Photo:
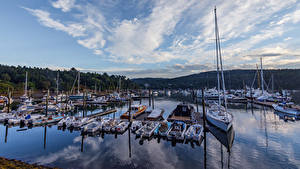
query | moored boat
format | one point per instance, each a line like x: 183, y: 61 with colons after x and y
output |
x: 194, y: 132
x: 156, y: 115
x: 219, y: 117
x: 177, y: 131
x: 135, y: 111
x: 163, y: 129
x: 135, y: 125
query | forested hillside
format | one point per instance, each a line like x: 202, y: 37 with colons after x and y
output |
x: 234, y: 79
x: 43, y: 78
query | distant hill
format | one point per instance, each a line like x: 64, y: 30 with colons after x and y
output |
x: 234, y: 79
x: 13, y: 77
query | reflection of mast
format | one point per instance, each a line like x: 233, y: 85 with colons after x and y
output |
x: 228, y: 159
x: 204, y: 148
x: 129, y: 142
x: 266, y: 131
x: 45, y: 136
x: 221, y: 156
x: 82, y: 138
x: 6, y: 133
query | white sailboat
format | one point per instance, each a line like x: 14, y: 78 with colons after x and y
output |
x: 217, y: 114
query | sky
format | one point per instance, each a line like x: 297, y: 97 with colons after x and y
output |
x: 149, y: 38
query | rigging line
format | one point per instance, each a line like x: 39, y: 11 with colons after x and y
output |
x: 217, y: 55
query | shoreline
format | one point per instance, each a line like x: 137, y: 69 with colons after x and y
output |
x: 12, y: 163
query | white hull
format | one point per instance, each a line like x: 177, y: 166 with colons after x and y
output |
x: 218, y: 123
x: 286, y: 110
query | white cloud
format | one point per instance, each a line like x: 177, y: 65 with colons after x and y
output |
x: 73, y: 29
x: 177, y: 30
x: 65, y: 5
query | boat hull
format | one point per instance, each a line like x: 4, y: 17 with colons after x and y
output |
x: 220, y: 124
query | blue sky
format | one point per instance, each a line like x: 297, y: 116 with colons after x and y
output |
x: 149, y: 38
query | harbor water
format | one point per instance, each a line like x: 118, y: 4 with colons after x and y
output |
x: 260, y: 139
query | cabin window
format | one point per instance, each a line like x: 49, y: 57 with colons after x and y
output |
x: 184, y: 109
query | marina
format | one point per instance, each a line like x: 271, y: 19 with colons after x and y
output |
x: 69, y: 149
x: 150, y: 84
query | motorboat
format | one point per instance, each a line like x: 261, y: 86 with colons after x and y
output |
x: 135, y: 125
x: 92, y: 127
x: 194, y: 132
x: 147, y: 129
x: 177, y: 131
x: 163, y: 129
x: 121, y: 128
x: 286, y: 108
x: 135, y: 111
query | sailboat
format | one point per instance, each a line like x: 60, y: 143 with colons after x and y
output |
x: 78, y: 96
x: 216, y: 113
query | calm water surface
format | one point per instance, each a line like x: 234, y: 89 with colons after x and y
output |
x: 261, y: 140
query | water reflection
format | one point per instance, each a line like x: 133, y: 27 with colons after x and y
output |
x: 255, y: 131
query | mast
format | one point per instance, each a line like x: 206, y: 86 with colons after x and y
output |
x: 57, y: 77
x: 221, y: 64
x: 78, y: 82
x: 25, y: 90
x: 217, y: 55
x: 262, y: 75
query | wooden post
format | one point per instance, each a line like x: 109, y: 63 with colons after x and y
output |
x: 84, y: 93
x: 204, y: 126
x: 152, y: 101
x: 203, y: 109
x: 140, y: 96
x: 149, y: 97
x: 47, y: 102
x: 8, y: 100
x: 129, y: 110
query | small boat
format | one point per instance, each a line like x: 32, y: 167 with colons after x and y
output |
x: 135, y: 125
x: 51, y: 108
x: 32, y: 118
x: 147, y: 130
x: 5, y: 116
x: 121, y: 128
x: 108, y: 125
x: 135, y: 111
x: 219, y: 117
x: 177, y: 131
x: 156, y: 115
x: 63, y: 122
x: 92, y: 127
x: 287, y: 109
x: 183, y: 112
x: 81, y: 122
x: 114, y: 125
x: 194, y: 132
x: 163, y: 129
x: 47, y: 120
x: 70, y: 121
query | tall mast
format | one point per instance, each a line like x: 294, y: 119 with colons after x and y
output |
x: 262, y: 75
x: 220, y: 57
x: 57, y: 77
x: 25, y: 90
x: 217, y: 55
x: 78, y: 85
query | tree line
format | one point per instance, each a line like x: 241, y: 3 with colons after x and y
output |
x: 234, y: 79
x: 13, y: 77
